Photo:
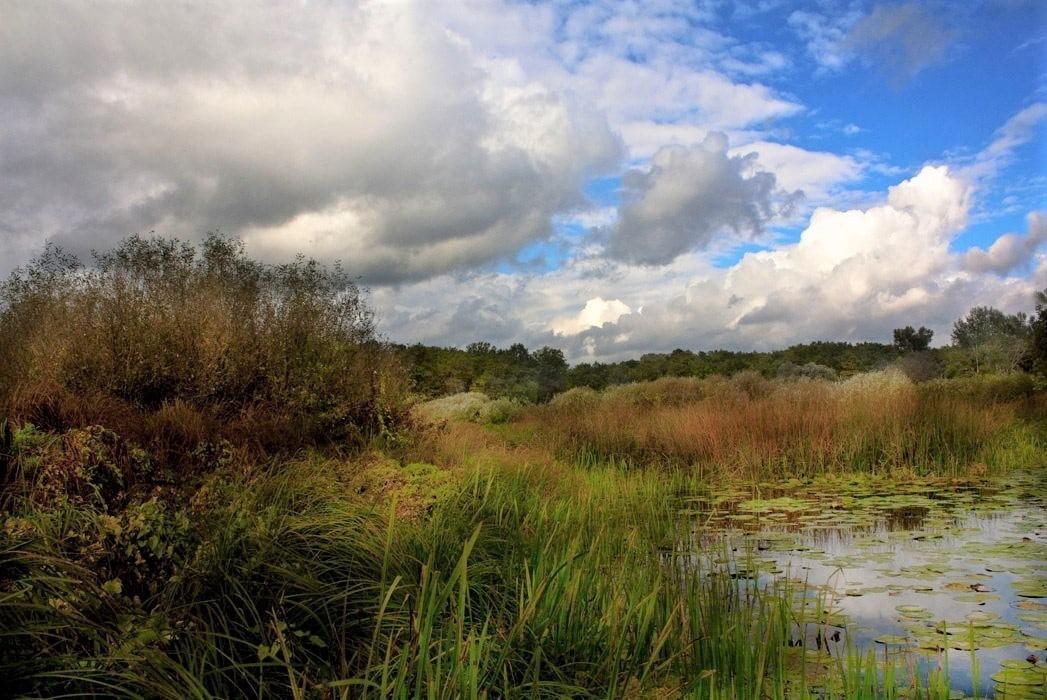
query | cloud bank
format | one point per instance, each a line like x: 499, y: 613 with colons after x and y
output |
x: 365, y: 132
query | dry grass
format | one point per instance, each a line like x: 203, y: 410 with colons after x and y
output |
x: 755, y: 428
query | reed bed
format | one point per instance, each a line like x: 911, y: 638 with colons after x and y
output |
x: 753, y: 428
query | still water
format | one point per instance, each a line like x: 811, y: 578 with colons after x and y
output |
x: 947, y: 575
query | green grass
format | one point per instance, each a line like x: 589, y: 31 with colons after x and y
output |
x: 511, y: 587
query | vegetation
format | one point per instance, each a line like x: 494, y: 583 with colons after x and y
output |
x: 986, y: 341
x: 174, y: 347
x: 214, y: 484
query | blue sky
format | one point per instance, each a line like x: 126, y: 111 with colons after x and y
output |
x: 608, y: 177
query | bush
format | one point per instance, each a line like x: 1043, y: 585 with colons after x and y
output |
x: 811, y: 370
x: 579, y: 398
x: 471, y: 406
x: 667, y: 391
x: 170, y: 343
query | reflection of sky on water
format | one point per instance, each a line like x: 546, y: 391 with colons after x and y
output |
x: 873, y: 556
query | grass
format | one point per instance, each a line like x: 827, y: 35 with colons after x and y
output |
x: 523, y: 576
x: 751, y: 428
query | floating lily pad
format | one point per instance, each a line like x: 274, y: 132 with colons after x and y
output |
x: 1026, y: 675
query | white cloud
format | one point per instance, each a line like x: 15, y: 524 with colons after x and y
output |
x: 824, y: 37
x: 643, y: 65
x: 1015, y: 132
x: 1009, y: 251
x: 818, y: 174
x: 596, y: 312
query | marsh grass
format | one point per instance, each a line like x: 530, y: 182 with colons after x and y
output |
x: 524, y: 583
x: 748, y: 427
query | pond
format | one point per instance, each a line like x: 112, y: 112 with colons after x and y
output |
x: 946, y: 576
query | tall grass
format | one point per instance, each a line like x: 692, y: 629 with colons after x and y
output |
x: 294, y: 590
x: 755, y: 428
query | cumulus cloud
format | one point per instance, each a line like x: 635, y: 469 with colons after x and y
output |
x: 596, y: 312
x: 686, y: 197
x: 365, y: 132
x: 1010, y: 251
x: 853, y: 274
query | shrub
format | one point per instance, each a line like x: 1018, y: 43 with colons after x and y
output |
x: 171, y: 343
x: 463, y: 406
x: 579, y: 398
x: 810, y: 370
x: 666, y: 391
x: 85, y: 465
x: 471, y: 406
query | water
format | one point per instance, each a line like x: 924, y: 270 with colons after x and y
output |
x: 935, y: 574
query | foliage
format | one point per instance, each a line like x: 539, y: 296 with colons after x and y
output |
x: 513, y: 373
x: 1038, y: 337
x: 909, y: 339
x: 811, y: 370
x: 920, y: 366
x: 174, y: 346
x: 473, y: 406
x: 983, y: 324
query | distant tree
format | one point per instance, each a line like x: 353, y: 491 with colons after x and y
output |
x: 552, y: 371
x: 920, y: 366
x: 480, y: 348
x: 909, y: 339
x: 984, y: 323
x: 810, y: 370
x: 1038, y: 337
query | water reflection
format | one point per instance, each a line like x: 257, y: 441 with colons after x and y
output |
x: 951, y: 575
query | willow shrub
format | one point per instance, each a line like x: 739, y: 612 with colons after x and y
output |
x: 174, y: 344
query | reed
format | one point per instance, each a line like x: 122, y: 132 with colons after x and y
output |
x: 761, y: 429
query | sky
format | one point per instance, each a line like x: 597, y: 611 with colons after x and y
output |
x: 608, y: 178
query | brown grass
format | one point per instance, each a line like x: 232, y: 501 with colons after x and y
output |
x: 760, y: 428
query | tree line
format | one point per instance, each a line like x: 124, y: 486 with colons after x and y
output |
x: 985, y: 340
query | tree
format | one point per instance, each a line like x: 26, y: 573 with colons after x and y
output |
x: 987, y: 339
x: 909, y: 339
x: 1038, y: 337
x: 984, y: 323
x: 552, y: 371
